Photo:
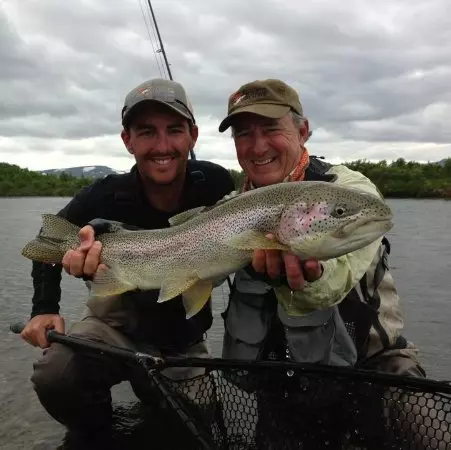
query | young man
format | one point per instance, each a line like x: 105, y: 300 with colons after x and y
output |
x: 344, y: 311
x: 159, y: 130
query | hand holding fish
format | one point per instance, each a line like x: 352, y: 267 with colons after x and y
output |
x: 85, y: 261
x: 297, y: 271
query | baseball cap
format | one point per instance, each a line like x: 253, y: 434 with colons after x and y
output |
x: 270, y: 98
x: 159, y: 90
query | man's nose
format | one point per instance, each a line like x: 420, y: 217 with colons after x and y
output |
x: 162, y: 143
x: 260, y: 143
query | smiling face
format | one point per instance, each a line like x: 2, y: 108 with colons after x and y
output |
x: 268, y: 149
x: 160, y: 140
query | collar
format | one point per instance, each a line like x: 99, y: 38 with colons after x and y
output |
x: 137, y: 185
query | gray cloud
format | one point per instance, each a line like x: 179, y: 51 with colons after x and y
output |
x: 372, y: 72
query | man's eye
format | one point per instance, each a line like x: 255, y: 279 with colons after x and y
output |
x: 146, y: 133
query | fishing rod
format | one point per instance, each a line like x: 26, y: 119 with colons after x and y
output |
x: 159, y: 39
x: 162, y: 50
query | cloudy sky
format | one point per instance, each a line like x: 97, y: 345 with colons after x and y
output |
x: 374, y: 76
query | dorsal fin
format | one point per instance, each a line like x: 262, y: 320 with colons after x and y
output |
x: 184, y: 216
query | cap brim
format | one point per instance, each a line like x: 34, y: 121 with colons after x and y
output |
x: 175, y: 107
x: 262, y: 109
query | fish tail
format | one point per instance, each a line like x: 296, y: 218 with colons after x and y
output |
x: 56, y: 236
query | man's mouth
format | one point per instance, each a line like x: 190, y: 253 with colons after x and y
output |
x: 264, y: 162
x: 162, y: 160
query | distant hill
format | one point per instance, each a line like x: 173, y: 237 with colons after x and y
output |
x: 442, y: 162
x: 83, y: 171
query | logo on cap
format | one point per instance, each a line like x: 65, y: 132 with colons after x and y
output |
x: 162, y: 94
x: 236, y: 98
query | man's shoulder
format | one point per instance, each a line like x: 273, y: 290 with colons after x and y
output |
x: 212, y: 181
x: 211, y: 173
x: 102, y: 188
x: 354, y: 178
x: 207, y: 167
x: 111, y: 181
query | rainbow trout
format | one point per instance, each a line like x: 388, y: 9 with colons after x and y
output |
x: 311, y: 219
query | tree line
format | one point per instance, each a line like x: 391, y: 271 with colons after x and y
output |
x: 400, y: 178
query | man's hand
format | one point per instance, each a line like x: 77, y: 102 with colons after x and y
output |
x: 297, y: 271
x: 35, y: 330
x: 86, y: 259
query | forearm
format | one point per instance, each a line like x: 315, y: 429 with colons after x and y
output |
x: 47, y: 277
x: 47, y: 291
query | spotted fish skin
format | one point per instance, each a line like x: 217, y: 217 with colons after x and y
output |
x: 312, y: 219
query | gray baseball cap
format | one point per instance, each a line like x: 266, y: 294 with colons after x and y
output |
x: 159, y: 90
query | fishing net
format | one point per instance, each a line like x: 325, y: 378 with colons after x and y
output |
x: 289, y: 407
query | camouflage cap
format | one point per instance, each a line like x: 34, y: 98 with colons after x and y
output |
x: 168, y: 92
x: 270, y: 98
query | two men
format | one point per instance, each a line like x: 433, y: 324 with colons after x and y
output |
x: 343, y: 311
x: 159, y: 130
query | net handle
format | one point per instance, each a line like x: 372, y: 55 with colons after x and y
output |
x: 130, y: 357
x: 157, y: 363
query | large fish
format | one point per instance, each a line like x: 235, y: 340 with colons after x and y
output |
x: 311, y: 219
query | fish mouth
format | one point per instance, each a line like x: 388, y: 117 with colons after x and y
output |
x: 361, y: 223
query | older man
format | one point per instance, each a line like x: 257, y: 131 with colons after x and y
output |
x: 344, y: 311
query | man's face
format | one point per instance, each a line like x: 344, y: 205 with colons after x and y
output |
x: 160, y: 140
x: 267, y: 149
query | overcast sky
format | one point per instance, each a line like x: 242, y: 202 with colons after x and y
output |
x: 374, y: 76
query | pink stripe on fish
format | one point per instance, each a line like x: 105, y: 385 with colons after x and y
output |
x: 298, y: 219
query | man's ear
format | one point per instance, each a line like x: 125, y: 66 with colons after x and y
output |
x: 125, y: 135
x: 194, y: 134
x: 304, y: 130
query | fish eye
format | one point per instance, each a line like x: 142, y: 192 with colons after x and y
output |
x: 339, y: 211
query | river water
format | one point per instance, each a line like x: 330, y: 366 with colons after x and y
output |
x: 420, y: 263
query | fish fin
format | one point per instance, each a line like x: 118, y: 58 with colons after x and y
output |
x: 184, y: 216
x: 251, y: 240
x: 175, y: 287
x: 189, y: 214
x: 57, y: 227
x: 56, y: 236
x: 195, y: 298
x: 43, y: 251
x: 106, y: 283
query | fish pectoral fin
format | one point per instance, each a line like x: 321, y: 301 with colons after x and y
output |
x: 106, y: 283
x: 184, y: 216
x: 195, y: 298
x: 251, y: 240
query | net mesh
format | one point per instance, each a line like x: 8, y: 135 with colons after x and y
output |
x: 297, y: 409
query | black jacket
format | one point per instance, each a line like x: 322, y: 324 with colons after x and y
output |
x: 121, y: 198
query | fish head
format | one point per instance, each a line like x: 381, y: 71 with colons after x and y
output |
x: 330, y: 222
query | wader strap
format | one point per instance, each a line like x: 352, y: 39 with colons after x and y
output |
x: 375, y: 300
